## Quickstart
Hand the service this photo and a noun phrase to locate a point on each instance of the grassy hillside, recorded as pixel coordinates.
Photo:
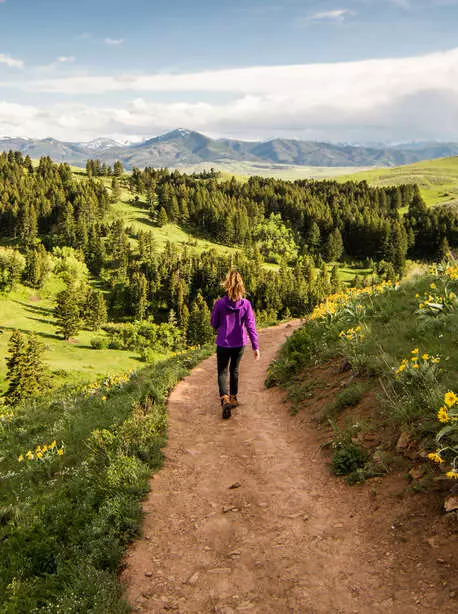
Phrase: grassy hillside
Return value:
(389, 359)
(73, 469)
(243, 170)
(32, 311)
(437, 179)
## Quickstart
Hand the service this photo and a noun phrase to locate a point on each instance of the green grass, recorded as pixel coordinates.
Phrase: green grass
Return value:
(437, 179)
(136, 216)
(30, 311)
(288, 172)
(65, 521)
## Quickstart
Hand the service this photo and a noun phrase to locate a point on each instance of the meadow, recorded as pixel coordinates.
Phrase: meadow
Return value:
(69, 362)
(437, 179)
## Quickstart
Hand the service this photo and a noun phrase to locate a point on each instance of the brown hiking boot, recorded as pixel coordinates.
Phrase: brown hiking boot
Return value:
(227, 407)
(233, 400)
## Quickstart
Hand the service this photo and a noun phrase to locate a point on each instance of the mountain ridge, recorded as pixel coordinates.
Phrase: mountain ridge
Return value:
(180, 147)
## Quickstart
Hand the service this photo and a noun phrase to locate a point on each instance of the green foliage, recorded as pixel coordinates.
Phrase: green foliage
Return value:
(12, 265)
(274, 240)
(348, 458)
(199, 330)
(26, 373)
(67, 311)
(63, 532)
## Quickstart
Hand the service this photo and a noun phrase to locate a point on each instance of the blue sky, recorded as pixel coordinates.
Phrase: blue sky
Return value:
(350, 70)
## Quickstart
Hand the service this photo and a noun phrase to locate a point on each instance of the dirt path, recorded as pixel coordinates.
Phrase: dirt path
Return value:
(296, 539)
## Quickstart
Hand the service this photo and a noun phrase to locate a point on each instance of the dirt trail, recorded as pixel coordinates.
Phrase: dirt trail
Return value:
(296, 539)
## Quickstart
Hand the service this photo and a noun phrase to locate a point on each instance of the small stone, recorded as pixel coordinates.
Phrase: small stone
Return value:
(451, 503)
(235, 485)
(230, 508)
(234, 553)
(440, 561)
(403, 442)
(192, 579)
(148, 574)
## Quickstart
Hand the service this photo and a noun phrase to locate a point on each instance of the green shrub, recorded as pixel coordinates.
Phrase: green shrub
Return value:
(98, 343)
(347, 458)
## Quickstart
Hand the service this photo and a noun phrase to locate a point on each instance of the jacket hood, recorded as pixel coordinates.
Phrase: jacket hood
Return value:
(231, 306)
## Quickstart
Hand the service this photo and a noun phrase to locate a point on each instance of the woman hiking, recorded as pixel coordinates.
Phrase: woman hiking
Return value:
(232, 317)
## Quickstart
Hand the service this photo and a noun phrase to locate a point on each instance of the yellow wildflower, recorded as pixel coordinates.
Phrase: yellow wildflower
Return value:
(425, 356)
(39, 454)
(435, 360)
(29, 455)
(414, 358)
(104, 398)
(401, 368)
(38, 448)
(442, 415)
(452, 474)
(415, 351)
(436, 457)
(450, 399)
(415, 366)
(20, 458)
(60, 451)
(53, 444)
(433, 286)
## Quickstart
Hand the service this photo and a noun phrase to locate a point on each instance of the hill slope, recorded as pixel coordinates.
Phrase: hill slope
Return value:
(437, 179)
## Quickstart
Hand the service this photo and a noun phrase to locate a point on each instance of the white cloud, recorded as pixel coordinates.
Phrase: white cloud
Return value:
(335, 15)
(383, 100)
(62, 59)
(114, 41)
(11, 62)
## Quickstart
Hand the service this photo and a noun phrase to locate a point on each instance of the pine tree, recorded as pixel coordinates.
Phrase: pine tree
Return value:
(26, 372)
(184, 320)
(95, 310)
(16, 351)
(199, 328)
(115, 190)
(117, 169)
(67, 312)
(162, 218)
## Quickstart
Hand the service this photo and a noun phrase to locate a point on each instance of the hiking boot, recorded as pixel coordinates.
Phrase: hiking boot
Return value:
(227, 407)
(233, 400)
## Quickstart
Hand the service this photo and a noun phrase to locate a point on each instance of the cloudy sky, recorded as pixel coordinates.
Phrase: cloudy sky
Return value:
(359, 71)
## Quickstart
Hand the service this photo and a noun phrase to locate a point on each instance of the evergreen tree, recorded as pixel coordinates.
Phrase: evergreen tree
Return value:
(118, 169)
(115, 190)
(14, 363)
(95, 310)
(200, 331)
(67, 312)
(162, 218)
(26, 372)
(334, 246)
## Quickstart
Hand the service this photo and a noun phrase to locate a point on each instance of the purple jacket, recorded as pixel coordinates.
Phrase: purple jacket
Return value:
(232, 321)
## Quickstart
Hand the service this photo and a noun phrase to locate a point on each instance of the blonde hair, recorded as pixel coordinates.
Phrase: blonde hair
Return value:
(234, 286)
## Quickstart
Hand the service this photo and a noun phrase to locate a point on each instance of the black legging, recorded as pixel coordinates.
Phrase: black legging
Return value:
(223, 356)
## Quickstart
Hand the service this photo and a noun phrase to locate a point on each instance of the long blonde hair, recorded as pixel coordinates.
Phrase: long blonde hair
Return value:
(234, 286)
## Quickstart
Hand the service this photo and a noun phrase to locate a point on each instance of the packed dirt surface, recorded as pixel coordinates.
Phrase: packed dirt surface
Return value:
(245, 516)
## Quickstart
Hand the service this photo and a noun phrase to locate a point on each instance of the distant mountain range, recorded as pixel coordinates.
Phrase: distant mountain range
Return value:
(181, 148)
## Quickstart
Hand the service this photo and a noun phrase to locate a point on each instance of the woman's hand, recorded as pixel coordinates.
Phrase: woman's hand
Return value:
(257, 354)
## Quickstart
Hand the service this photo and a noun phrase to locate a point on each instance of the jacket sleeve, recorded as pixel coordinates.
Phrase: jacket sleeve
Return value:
(215, 316)
(250, 324)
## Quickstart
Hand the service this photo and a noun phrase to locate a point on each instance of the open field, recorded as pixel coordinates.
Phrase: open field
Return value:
(242, 170)
(30, 311)
(437, 179)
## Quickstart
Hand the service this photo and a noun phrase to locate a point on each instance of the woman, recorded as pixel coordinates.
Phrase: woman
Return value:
(232, 317)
